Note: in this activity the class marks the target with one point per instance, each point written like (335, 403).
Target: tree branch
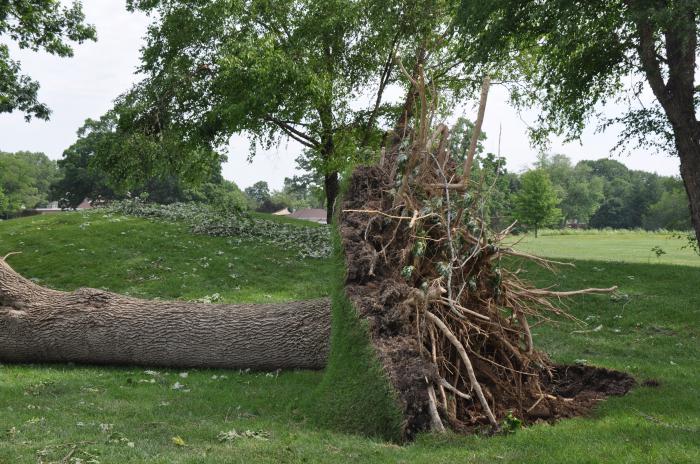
(649, 60)
(383, 81)
(291, 131)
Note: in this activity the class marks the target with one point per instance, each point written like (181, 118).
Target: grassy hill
(132, 415)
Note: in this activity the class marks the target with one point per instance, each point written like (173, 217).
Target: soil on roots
(382, 298)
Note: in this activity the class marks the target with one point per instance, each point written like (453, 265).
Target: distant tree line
(591, 193)
(297, 192)
(554, 193)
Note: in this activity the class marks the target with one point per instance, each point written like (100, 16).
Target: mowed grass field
(93, 414)
(620, 246)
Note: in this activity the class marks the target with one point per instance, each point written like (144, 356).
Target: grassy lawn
(127, 415)
(625, 246)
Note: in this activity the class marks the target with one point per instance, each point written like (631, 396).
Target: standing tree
(277, 70)
(35, 25)
(574, 56)
(536, 203)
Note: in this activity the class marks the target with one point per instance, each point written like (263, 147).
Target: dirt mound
(572, 381)
(574, 390)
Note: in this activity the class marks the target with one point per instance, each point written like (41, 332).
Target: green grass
(157, 259)
(628, 247)
(653, 334)
(354, 395)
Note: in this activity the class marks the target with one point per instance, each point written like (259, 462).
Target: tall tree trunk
(689, 152)
(97, 327)
(674, 87)
(332, 186)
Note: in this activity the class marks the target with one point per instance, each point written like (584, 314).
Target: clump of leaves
(658, 251)
(511, 423)
(233, 435)
(691, 241)
(309, 242)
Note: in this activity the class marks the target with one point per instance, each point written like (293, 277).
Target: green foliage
(224, 197)
(489, 171)
(78, 178)
(670, 212)
(131, 145)
(581, 191)
(46, 25)
(84, 176)
(259, 192)
(572, 56)
(511, 423)
(24, 179)
(658, 251)
(536, 202)
(460, 138)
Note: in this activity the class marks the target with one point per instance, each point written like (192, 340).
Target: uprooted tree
(446, 321)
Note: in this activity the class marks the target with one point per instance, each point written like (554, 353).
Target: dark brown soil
(380, 297)
(579, 388)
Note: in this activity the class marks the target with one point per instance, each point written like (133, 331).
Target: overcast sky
(85, 86)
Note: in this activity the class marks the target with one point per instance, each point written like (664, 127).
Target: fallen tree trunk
(92, 326)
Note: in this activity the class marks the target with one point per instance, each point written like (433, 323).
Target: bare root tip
(4, 258)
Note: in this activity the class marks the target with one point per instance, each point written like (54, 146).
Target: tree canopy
(312, 71)
(569, 58)
(274, 70)
(35, 25)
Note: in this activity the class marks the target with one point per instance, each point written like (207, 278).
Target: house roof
(310, 214)
(85, 204)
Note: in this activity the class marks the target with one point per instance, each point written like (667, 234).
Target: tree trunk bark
(97, 327)
(689, 153)
(331, 185)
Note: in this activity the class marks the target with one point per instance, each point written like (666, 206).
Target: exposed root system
(452, 324)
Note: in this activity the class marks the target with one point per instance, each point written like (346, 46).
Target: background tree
(258, 193)
(25, 179)
(83, 176)
(580, 191)
(305, 191)
(670, 212)
(3, 200)
(536, 202)
(35, 25)
(489, 170)
(573, 56)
